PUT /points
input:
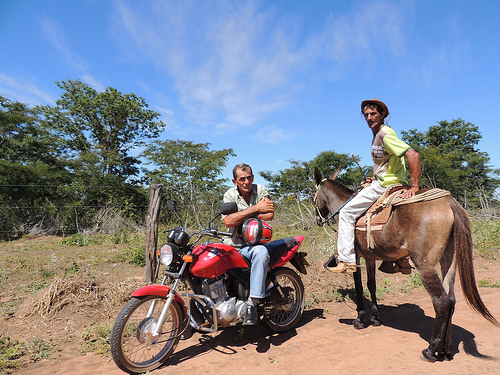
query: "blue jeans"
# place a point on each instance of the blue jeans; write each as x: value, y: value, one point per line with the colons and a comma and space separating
x: 259, y: 257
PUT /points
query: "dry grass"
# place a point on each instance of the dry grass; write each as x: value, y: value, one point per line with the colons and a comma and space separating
x: 66, y: 291
x: 81, y: 290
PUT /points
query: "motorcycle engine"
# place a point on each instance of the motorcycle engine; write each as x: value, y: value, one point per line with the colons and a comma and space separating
x: 229, y: 310
x: 215, y: 289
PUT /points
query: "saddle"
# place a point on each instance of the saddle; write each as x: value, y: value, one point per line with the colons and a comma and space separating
x: 376, y: 217
x: 379, y: 213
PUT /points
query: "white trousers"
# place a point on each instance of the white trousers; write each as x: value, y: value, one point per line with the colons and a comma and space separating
x: 347, y: 219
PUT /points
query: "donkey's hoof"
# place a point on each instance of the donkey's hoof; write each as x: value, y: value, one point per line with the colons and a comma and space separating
x: 358, y: 324
x: 444, y: 357
x: 375, y: 322
x: 428, y: 355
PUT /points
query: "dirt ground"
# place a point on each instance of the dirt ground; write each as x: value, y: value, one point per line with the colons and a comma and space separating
x: 325, y: 342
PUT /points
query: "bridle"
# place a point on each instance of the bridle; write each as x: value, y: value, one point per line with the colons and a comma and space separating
x: 329, y: 217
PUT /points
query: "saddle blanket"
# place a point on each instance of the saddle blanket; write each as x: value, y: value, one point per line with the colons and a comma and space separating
x: 379, y: 213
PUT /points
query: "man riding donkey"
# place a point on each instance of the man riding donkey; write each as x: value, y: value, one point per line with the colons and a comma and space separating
x: 388, y: 169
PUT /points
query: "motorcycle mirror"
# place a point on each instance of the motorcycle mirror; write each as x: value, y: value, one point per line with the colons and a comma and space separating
x: 228, y: 208
x: 171, y: 205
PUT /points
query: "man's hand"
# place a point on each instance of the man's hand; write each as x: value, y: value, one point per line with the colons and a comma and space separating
x: 368, y: 181
x: 263, y: 210
x: 265, y: 206
x: 410, y: 192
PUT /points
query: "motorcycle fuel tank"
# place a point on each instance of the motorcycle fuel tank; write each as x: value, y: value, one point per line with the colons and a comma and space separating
x: 214, y: 259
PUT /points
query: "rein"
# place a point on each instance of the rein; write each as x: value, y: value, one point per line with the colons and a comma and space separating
x: 325, y: 220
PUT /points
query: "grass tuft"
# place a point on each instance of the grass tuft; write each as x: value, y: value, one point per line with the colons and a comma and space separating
x: 96, y: 339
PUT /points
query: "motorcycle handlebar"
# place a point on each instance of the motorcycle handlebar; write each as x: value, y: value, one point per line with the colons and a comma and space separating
x: 212, y: 233
x: 215, y: 232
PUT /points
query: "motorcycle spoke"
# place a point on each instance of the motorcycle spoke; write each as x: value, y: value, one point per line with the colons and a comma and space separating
x: 141, y: 351
x: 136, y: 348
x: 284, y: 311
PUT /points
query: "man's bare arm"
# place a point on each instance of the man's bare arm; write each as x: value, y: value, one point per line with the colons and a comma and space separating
x: 415, y: 170
x: 263, y: 210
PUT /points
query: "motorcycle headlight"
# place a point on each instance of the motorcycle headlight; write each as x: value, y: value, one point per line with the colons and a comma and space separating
x: 167, y: 254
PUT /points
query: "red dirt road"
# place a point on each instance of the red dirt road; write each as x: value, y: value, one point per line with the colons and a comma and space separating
x: 326, y: 343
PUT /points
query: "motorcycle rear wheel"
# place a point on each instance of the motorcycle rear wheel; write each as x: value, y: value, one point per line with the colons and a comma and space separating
x: 284, y: 314
x: 133, y: 348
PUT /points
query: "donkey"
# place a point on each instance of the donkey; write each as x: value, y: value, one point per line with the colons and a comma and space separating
x: 432, y: 233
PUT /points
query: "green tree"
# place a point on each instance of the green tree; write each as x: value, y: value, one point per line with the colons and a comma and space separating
x: 297, y: 181
x: 31, y: 168
x: 191, y: 174
x: 102, y: 128
x: 451, y: 160
x: 293, y: 188
x: 329, y: 161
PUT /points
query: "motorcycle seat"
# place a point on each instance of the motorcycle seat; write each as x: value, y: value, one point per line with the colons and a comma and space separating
x: 278, y: 248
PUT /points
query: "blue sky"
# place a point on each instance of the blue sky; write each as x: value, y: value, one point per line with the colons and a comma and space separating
x: 274, y: 80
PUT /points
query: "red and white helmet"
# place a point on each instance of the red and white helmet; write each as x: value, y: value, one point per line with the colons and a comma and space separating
x: 255, y: 231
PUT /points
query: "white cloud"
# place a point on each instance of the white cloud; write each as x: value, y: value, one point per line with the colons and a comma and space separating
x: 23, y: 91
x: 90, y: 80
x: 172, y: 128
x: 55, y: 35
x: 231, y: 62
x: 370, y: 30
x: 274, y: 135
x: 234, y: 64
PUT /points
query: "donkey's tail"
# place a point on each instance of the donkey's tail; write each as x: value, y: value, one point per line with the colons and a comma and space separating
x: 463, y: 249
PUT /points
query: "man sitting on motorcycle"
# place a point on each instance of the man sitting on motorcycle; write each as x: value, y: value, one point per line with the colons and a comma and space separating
x: 252, y: 201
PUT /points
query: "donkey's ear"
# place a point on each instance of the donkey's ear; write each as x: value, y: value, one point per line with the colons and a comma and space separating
x: 334, y: 176
x: 317, y: 176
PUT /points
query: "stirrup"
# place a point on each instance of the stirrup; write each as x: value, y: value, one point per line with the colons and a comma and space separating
x: 331, y: 262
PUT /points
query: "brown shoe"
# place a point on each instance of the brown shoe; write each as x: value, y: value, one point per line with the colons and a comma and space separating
x: 343, y: 267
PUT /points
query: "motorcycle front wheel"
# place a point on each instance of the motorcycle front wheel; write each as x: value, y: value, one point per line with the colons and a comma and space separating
x: 134, y: 348
x: 284, y: 312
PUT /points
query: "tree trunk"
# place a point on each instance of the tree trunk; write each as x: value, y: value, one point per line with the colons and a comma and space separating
x: 152, y: 232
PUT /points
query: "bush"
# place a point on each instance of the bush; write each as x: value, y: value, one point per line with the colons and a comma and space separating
x: 486, y: 237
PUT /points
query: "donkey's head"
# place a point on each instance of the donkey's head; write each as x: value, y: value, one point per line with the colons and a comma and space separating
x: 321, y: 198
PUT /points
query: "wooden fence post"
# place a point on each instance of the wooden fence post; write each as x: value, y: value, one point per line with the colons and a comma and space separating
x: 152, y: 232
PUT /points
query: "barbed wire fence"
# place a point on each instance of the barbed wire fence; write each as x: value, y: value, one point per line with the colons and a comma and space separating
x: 65, y: 213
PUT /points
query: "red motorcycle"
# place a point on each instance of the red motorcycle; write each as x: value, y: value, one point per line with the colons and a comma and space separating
x: 216, y: 278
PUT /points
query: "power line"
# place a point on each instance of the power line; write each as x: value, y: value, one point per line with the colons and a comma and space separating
x: 67, y: 206
x: 76, y: 186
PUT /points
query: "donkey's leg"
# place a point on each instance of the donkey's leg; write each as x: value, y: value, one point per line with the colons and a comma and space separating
x: 372, y: 287
x: 359, y: 322
x: 443, y: 307
x: 448, y: 271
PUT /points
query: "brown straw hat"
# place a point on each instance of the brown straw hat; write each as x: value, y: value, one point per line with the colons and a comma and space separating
x: 381, y: 104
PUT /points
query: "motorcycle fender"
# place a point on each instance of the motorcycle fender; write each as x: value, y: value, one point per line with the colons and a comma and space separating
x: 288, y: 256
x: 299, y: 262
x: 158, y: 290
